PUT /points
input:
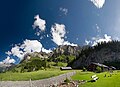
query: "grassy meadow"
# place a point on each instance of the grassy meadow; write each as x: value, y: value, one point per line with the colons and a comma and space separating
x: 108, y: 81
x: 105, y: 79
x: 36, y: 75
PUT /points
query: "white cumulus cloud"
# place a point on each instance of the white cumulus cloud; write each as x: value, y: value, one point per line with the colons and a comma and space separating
x: 16, y: 51
x: 98, y: 3
x: 95, y: 40
x: 64, y: 10
x: 40, y: 23
x: 58, y: 33
x: 68, y: 43
x: 8, y: 60
x: 105, y: 39
x: 87, y: 42
x: 31, y: 46
x: 45, y: 50
x: 28, y: 46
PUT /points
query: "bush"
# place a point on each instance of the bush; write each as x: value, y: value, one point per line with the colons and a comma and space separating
x: 67, y: 80
x: 70, y: 59
x: 98, y: 69
x: 34, y: 64
x: 14, y: 70
x: 22, y: 70
x: 84, y: 69
x: 51, y: 64
x: 61, y: 64
x: 42, y: 68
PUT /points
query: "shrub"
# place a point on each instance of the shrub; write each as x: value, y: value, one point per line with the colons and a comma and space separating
x: 67, y: 80
x: 61, y: 64
x: 98, y: 69
x: 14, y: 70
x: 84, y: 69
x: 42, y: 68
x: 22, y: 70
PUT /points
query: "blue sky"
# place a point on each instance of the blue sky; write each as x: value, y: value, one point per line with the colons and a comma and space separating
x: 83, y: 22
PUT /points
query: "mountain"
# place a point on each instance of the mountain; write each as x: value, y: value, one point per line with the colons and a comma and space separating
x: 66, y: 50
x: 60, y: 50
x: 61, y: 56
x: 5, y: 67
x: 75, y: 56
x: 41, y: 55
x: 106, y: 53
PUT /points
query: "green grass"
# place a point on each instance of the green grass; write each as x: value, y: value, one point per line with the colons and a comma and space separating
x: 41, y: 74
x: 113, y: 81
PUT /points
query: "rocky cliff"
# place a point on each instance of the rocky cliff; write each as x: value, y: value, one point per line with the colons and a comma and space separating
x: 67, y: 50
x: 60, y: 50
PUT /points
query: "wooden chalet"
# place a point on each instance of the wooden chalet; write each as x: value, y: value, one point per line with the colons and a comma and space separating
x: 93, y: 66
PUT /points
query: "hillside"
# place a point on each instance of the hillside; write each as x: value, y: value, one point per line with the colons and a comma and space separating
x: 66, y: 50
x: 74, y: 56
x: 106, y: 53
x: 60, y: 50
x: 61, y: 56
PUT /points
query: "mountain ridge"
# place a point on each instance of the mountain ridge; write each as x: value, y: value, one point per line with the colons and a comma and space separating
x: 75, y: 56
x: 106, y: 53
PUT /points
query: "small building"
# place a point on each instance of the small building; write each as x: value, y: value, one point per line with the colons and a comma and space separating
x: 65, y: 68
x: 93, y: 66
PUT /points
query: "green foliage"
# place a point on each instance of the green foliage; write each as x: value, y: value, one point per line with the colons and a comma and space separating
x: 42, y: 68
x: 70, y: 58
x: 63, y: 58
x: 22, y: 70
x: 36, y: 63
x: 98, y: 69
x: 84, y: 69
x: 51, y: 64
x: 14, y: 70
x: 33, y: 64
x: 67, y: 80
x: 116, y: 64
x: 61, y: 64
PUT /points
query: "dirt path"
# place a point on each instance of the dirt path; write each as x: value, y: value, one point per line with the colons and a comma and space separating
x: 37, y: 83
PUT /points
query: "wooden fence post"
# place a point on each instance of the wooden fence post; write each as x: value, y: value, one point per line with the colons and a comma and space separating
x: 30, y: 82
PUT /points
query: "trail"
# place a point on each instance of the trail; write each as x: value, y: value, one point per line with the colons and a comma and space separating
x: 37, y: 83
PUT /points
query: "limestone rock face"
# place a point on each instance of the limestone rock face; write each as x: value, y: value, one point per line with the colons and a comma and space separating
x: 60, y: 50
x: 67, y: 50
x: 41, y: 55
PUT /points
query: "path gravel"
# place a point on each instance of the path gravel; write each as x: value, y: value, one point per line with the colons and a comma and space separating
x: 37, y: 83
